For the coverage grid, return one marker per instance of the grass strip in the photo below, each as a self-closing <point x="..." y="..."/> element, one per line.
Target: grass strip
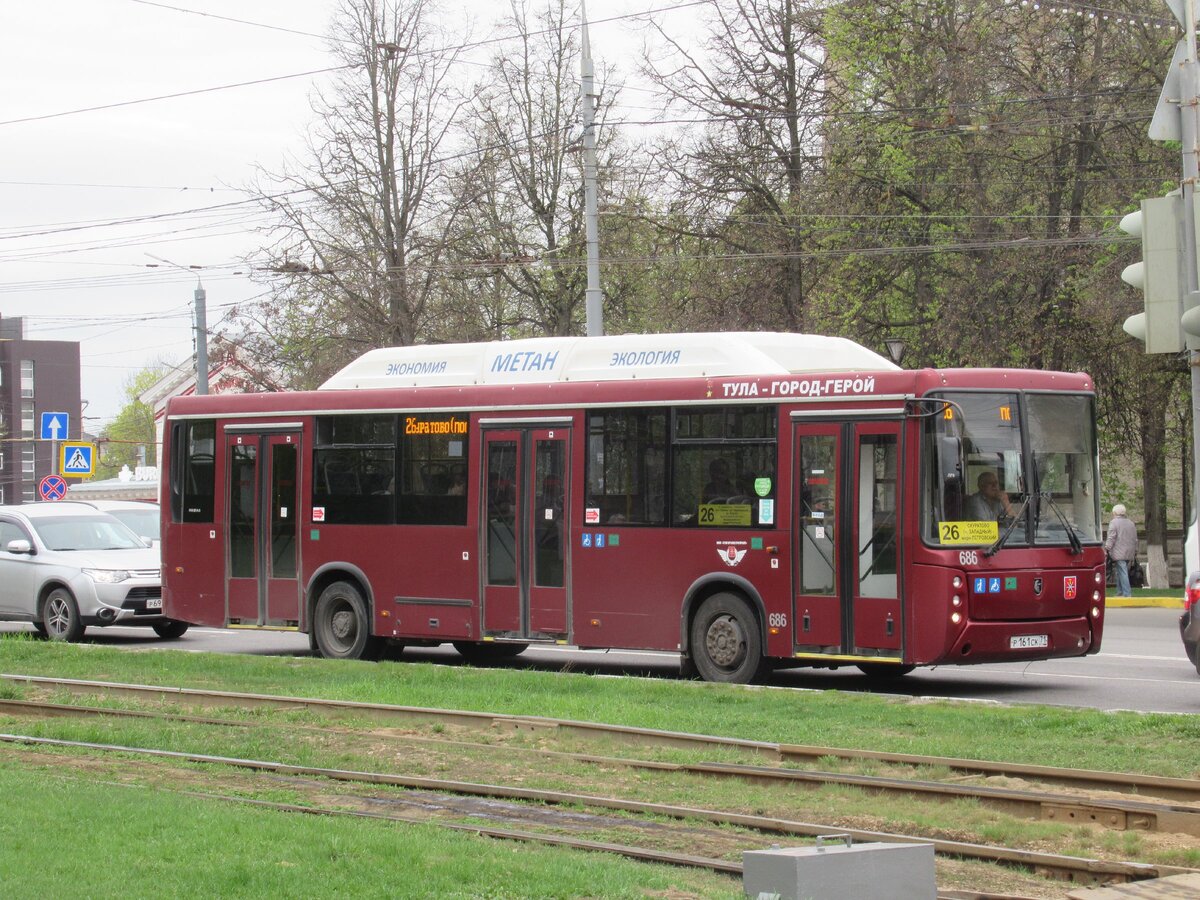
<point x="1161" y="744"/>
<point x="66" y="837"/>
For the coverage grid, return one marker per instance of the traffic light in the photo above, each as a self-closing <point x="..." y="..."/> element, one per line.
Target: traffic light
<point x="1160" y="275"/>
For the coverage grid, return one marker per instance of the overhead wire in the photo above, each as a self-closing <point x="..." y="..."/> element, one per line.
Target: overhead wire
<point x="30" y="253"/>
<point x="211" y="15"/>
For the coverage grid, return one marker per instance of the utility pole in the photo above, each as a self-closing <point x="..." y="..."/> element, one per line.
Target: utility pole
<point x="1189" y="109"/>
<point x="1167" y="226"/>
<point x="201" y="339"/>
<point x="200" y="326"/>
<point x="594" y="300"/>
<point x="1182" y="87"/>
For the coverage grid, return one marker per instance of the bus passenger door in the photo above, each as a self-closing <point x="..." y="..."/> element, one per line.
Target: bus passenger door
<point x="526" y="538"/>
<point x="876" y="620"/>
<point x="262" y="554"/>
<point x="846" y="541"/>
<point x="817" y="616"/>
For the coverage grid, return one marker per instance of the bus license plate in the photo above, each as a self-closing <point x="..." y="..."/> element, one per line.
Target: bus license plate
<point x="156" y="603"/>
<point x="1026" y="641"/>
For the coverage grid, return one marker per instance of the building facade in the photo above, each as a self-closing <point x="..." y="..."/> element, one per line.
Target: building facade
<point x="36" y="377"/>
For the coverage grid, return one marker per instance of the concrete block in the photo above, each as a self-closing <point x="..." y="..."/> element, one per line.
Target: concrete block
<point x="841" y="872"/>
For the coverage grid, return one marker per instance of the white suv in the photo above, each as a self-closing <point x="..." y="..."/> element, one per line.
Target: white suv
<point x="141" y="516"/>
<point x="65" y="565"/>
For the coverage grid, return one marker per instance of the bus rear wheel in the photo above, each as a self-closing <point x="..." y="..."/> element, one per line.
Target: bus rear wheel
<point x="489" y="652"/>
<point x="341" y="626"/>
<point x="726" y="642"/>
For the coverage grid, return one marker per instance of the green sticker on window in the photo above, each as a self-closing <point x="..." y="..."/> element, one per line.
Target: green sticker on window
<point x="762" y="486"/>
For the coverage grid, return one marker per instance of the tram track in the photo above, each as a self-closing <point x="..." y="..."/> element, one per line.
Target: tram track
<point x="1114" y="813"/>
<point x="1138" y="808"/>
<point x="1077" y="869"/>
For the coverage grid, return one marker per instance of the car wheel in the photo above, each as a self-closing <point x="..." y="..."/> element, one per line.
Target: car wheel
<point x="489" y="652"/>
<point x="60" y="616"/>
<point x="168" y="631"/>
<point x="40" y="628"/>
<point x="726" y="643"/>
<point x="341" y="625"/>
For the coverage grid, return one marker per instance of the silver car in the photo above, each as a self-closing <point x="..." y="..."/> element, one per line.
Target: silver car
<point x="65" y="566"/>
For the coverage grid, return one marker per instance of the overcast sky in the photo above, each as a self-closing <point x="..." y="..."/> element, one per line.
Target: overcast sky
<point x="169" y="166"/>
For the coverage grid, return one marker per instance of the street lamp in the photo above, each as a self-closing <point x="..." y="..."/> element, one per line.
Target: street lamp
<point x="895" y="349"/>
<point x="201" y="325"/>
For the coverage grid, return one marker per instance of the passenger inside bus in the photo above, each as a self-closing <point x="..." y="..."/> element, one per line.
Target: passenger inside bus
<point x="989" y="503"/>
<point x="720" y="487"/>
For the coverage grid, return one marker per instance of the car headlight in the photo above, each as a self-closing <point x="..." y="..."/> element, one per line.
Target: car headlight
<point x="106" y="576"/>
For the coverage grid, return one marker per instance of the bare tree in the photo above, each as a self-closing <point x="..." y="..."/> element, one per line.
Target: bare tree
<point x="747" y="175"/>
<point x="520" y="240"/>
<point x="355" y="261"/>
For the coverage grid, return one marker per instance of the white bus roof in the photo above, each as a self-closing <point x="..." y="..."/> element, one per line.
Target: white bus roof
<point x="608" y="358"/>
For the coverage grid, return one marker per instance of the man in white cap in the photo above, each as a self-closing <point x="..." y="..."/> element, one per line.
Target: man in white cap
<point x="1121" y="547"/>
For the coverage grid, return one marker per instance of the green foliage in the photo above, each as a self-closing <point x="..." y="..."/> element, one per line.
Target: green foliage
<point x="945" y="172"/>
<point x="133" y="428"/>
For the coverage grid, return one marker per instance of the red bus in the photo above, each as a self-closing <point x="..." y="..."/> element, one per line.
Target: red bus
<point x="749" y="500"/>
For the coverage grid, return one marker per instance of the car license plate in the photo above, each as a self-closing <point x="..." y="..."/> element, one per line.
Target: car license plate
<point x="156" y="603"/>
<point x="1027" y="641"/>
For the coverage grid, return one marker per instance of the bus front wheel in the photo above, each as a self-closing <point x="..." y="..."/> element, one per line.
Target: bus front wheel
<point x="726" y="643"/>
<point x="171" y="629"/>
<point x="341" y="626"/>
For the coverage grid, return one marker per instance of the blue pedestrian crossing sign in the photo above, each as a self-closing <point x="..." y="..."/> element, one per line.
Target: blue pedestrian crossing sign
<point x="55" y="426"/>
<point x="76" y="457"/>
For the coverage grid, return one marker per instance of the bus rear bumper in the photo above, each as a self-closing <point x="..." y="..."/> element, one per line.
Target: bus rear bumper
<point x="1011" y="641"/>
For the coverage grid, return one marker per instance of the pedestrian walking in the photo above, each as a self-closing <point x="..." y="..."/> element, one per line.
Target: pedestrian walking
<point x="1121" y="546"/>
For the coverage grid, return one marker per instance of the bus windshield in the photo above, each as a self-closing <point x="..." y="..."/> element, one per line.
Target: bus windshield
<point x="1020" y="466"/>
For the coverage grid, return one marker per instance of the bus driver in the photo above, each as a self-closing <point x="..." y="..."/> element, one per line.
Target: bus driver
<point x="989" y="503"/>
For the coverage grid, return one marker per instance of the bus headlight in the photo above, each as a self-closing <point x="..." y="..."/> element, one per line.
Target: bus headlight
<point x="957" y="582"/>
<point x="955" y="617"/>
<point x="956" y="600"/>
<point x="1097" y="577"/>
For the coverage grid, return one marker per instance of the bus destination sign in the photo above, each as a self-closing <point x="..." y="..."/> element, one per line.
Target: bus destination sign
<point x="968" y="532"/>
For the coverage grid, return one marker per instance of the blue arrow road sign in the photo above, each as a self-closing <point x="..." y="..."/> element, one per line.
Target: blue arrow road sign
<point x="55" y="426"/>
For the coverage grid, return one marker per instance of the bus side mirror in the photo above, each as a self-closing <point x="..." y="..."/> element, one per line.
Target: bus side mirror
<point x="950" y="460"/>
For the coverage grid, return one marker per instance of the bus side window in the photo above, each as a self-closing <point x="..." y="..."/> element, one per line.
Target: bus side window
<point x="340" y="478"/>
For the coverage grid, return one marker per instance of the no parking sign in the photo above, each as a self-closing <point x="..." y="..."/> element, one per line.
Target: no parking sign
<point x="52" y="487"/>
